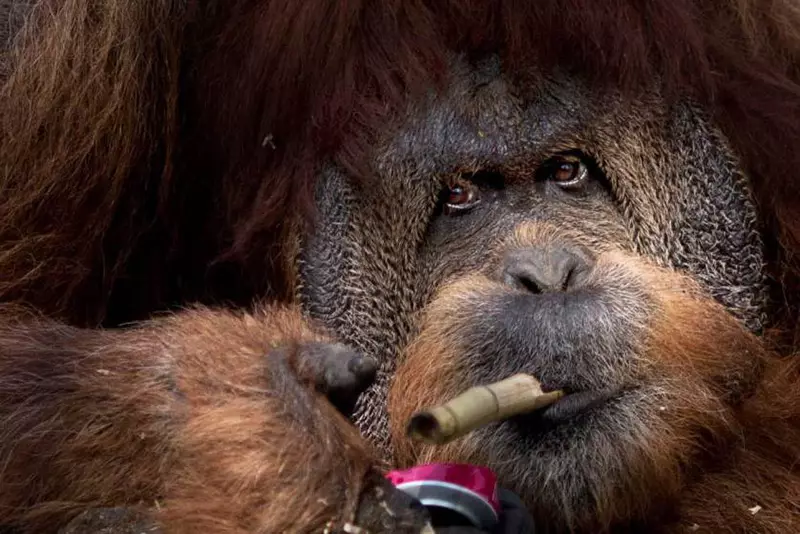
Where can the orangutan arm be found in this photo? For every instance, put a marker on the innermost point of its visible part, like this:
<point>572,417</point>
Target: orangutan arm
<point>219,417</point>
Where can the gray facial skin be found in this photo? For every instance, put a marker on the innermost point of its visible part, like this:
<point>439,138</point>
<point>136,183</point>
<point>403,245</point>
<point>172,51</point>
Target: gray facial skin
<point>663,184</point>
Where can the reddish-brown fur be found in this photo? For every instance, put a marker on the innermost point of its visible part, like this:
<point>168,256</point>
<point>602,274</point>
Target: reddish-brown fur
<point>695,347</point>
<point>187,410</point>
<point>105,160</point>
<point>116,163</point>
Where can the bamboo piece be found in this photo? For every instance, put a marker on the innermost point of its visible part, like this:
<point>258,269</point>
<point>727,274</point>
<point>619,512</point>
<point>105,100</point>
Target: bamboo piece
<point>478,406</point>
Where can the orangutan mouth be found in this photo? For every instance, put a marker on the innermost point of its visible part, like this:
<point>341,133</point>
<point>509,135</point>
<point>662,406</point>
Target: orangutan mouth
<point>571,405</point>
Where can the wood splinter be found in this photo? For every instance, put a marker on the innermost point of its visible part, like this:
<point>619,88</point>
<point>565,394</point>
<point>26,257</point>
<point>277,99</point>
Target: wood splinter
<point>478,406</point>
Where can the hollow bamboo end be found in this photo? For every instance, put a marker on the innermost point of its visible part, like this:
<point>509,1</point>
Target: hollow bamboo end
<point>424,426</point>
<point>479,406</point>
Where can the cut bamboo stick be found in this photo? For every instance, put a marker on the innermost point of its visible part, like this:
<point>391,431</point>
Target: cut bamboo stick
<point>479,406</point>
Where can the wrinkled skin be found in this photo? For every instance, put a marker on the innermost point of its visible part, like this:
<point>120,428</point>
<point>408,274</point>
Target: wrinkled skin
<point>380,252</point>
<point>662,185</point>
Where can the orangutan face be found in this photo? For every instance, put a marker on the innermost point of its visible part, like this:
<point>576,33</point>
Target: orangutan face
<point>546,230</point>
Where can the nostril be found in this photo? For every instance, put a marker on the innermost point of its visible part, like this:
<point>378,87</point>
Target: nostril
<point>541,270</point>
<point>569,279</point>
<point>530,285</point>
<point>517,276</point>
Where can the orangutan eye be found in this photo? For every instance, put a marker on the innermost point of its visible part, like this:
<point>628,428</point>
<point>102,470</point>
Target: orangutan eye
<point>459,197</point>
<point>568,172</point>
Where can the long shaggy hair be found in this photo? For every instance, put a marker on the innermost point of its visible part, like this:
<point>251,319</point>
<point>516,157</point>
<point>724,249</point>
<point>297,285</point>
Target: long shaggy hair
<point>155,152</point>
<point>121,121</point>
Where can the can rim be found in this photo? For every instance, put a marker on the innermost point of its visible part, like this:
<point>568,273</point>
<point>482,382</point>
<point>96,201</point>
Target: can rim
<point>453,497</point>
<point>479,479</point>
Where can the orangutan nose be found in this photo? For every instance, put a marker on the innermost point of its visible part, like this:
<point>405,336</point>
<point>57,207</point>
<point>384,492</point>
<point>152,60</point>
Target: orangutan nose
<point>545,269</point>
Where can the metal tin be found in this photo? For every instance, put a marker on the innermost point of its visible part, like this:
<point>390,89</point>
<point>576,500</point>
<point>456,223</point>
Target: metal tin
<point>466,490</point>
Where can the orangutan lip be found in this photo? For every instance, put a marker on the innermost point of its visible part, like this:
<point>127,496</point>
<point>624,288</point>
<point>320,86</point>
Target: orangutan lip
<point>573,404</point>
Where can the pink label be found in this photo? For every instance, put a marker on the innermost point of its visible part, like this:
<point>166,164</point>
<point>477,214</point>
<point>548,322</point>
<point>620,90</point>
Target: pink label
<point>480,480</point>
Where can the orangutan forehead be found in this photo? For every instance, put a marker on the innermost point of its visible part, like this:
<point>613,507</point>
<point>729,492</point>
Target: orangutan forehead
<point>487,118</point>
<point>483,119</point>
